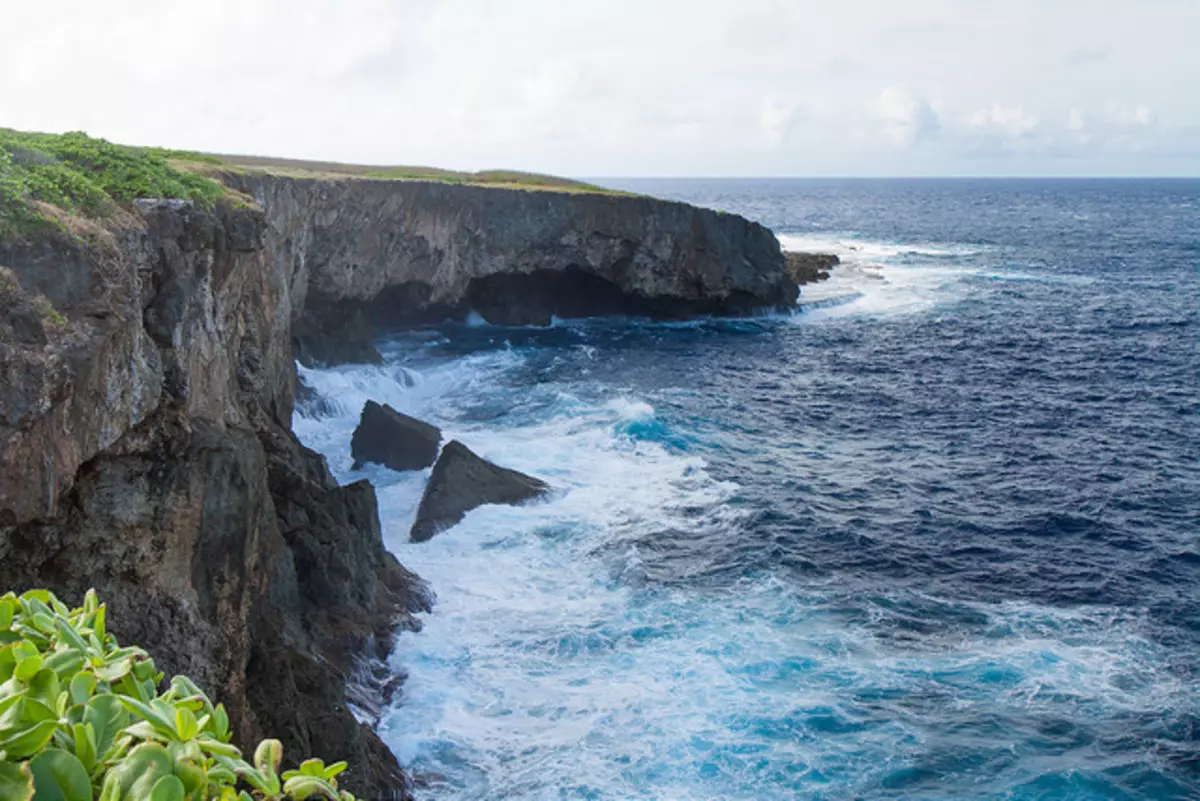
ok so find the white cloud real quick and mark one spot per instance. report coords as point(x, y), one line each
point(1012, 121)
point(619, 86)
point(906, 117)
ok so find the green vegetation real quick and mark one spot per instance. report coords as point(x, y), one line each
point(510, 179)
point(87, 177)
point(81, 719)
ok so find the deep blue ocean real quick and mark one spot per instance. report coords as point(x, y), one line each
point(934, 536)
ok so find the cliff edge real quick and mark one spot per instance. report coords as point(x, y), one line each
point(368, 255)
point(146, 385)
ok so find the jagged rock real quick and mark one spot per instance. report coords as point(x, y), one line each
point(808, 268)
point(462, 481)
point(373, 255)
point(387, 437)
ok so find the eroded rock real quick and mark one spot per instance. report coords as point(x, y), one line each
point(385, 436)
point(462, 481)
point(808, 268)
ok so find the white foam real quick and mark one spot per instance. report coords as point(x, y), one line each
point(881, 278)
point(549, 669)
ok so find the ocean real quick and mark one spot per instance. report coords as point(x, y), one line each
point(936, 535)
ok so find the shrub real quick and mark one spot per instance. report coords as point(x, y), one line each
point(81, 718)
point(88, 176)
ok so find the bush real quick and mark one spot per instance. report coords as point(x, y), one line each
point(81, 719)
point(87, 176)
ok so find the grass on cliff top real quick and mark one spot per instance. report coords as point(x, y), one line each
point(87, 177)
point(511, 179)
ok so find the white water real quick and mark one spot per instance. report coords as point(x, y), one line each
point(882, 278)
point(551, 669)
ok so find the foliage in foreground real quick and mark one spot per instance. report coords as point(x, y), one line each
point(86, 176)
point(81, 719)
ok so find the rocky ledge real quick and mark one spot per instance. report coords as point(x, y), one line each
point(368, 255)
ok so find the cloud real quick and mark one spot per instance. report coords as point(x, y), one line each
point(1012, 121)
point(906, 117)
point(612, 87)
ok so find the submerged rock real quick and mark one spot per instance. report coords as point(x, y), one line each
point(808, 268)
point(385, 436)
point(462, 481)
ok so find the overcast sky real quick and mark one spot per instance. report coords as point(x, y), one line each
point(617, 87)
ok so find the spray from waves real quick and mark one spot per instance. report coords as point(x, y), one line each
point(877, 277)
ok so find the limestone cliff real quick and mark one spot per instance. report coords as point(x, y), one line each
point(366, 255)
point(146, 395)
point(146, 386)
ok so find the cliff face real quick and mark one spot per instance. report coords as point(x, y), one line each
point(367, 255)
point(146, 450)
point(146, 393)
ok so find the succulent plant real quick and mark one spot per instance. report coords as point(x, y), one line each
point(81, 719)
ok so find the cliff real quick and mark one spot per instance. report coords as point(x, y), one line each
point(368, 255)
point(145, 449)
point(147, 383)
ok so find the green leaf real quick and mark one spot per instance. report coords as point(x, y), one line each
point(65, 663)
point(41, 596)
point(150, 714)
point(168, 788)
point(29, 740)
point(82, 686)
point(140, 771)
point(35, 711)
point(301, 787)
point(28, 667)
point(67, 633)
point(218, 748)
point(185, 724)
point(8, 608)
point(16, 782)
point(85, 744)
point(7, 703)
point(336, 768)
point(24, 650)
point(113, 672)
point(59, 776)
point(219, 725)
point(268, 755)
point(107, 716)
point(44, 686)
point(98, 623)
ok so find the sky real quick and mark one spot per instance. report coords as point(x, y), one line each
point(626, 87)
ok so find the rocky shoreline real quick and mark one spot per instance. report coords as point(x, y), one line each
point(147, 384)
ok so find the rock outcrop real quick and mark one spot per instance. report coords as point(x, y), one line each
point(367, 255)
point(462, 481)
point(808, 268)
point(385, 436)
point(146, 390)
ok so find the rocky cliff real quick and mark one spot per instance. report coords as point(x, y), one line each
point(146, 394)
point(367, 255)
point(146, 450)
